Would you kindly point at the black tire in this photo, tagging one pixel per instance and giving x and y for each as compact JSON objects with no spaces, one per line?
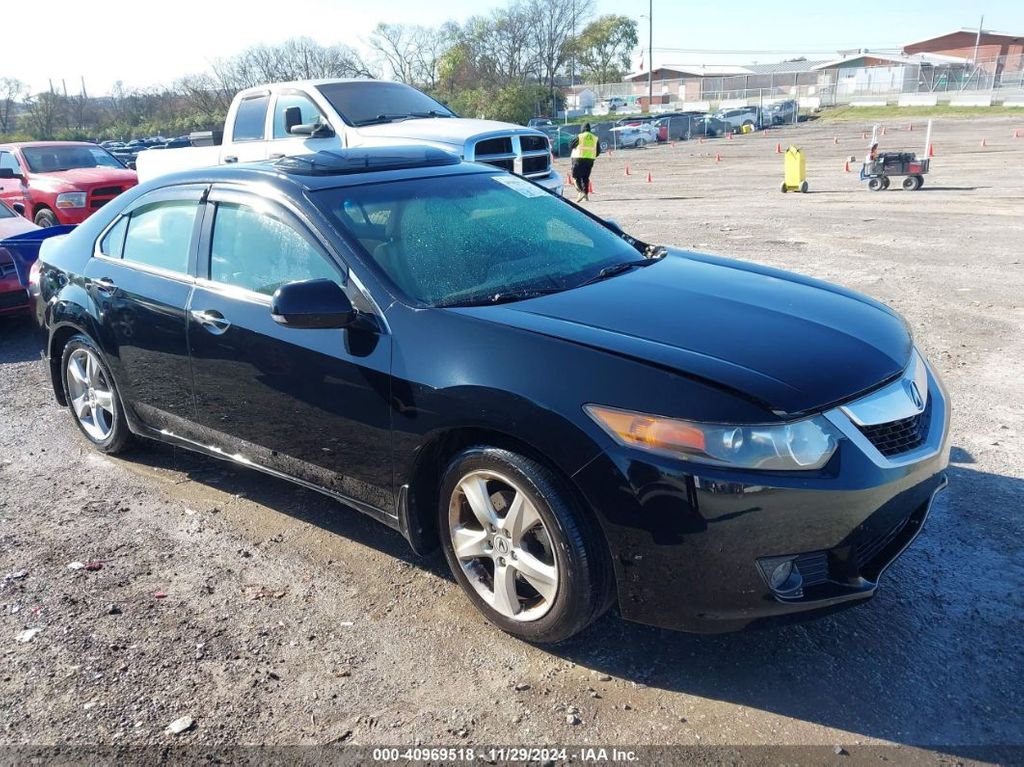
{"x":585,"y":581}
{"x":785,"y":187}
{"x":875,"y":184}
{"x":45,"y":218}
{"x":803,"y":187}
{"x":120,"y":437}
{"x":912,"y":183}
{"x":886,"y":181}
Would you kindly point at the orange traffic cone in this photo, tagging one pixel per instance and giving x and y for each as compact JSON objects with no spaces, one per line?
{"x":835,"y":139}
{"x":984,"y":143}
{"x":590,"y":187}
{"x":1016,"y":132}
{"x":846,"y":166}
{"x":863,"y":134}
{"x":627,"y":172}
{"x":910,"y":127}
{"x":649,"y":178}
{"x":883,"y":130}
{"x":730,"y":135}
{"x":569,"y":181}
{"x":778,"y":148}
{"x":931,"y":150}
{"x":701,"y":140}
{"x":718,"y":156}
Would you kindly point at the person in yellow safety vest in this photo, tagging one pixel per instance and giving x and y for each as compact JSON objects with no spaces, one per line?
{"x":585,"y":149}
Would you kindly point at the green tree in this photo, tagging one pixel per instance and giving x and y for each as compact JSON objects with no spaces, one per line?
{"x":604,"y":48}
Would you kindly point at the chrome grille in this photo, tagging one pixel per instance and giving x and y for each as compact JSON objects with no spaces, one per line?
{"x":902,"y":436}
{"x":528,"y":155}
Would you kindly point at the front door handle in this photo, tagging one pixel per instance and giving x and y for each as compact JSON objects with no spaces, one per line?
{"x":231,"y":158}
{"x":105,"y":285}
{"x":276,"y":155}
{"x":211,"y":320}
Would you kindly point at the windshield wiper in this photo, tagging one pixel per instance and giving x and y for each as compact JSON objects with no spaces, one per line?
{"x":625,"y":266}
{"x":383,"y":119}
{"x":503,"y":297}
{"x":431,"y":113}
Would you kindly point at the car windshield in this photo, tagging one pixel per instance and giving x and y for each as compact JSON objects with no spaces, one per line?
{"x":50,"y":159}
{"x":364,"y":103}
{"x":6,"y":212}
{"x":476,"y":239}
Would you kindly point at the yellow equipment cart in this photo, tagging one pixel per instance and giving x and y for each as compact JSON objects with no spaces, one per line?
{"x":796,"y":171}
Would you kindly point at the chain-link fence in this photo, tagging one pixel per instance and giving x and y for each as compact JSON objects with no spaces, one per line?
{"x":908,"y":81}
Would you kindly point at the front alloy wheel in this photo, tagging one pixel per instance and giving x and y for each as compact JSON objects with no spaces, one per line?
{"x":503,"y":546}
{"x":519,"y":545}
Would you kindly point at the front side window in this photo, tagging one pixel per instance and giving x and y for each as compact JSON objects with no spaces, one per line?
{"x":250,"y":119}
{"x":310,"y":113}
{"x":260,"y":253}
{"x":51,"y":159}
{"x":159,"y":235}
{"x":463,"y":238}
{"x":8,"y":161}
{"x":112,"y":243}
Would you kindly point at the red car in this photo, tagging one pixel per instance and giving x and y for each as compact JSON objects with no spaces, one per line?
{"x":13,"y":296}
{"x":60,"y":182}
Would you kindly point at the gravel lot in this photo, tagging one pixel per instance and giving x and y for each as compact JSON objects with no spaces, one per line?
{"x":288,"y":619}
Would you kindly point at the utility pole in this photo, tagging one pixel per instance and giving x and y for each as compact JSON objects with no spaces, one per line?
{"x":650,"y":51}
{"x":977,"y":40}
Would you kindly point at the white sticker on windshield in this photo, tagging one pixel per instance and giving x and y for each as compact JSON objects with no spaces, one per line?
{"x":521,"y":185}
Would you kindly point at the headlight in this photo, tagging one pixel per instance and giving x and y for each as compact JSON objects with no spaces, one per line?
{"x":797,"y":446}
{"x":71,"y":200}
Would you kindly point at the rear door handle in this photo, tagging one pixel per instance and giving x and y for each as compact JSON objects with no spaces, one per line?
{"x":211,"y":320}
{"x":231,"y":158}
{"x":105,"y":285}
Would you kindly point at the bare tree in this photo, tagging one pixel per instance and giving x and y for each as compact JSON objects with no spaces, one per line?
{"x":397,"y":47}
{"x":552,"y":23}
{"x":12,"y":91}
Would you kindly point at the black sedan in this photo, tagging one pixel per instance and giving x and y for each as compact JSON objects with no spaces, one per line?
{"x":574,"y":416}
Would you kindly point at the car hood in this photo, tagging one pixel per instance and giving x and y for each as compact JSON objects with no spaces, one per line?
{"x":454,"y":131}
{"x":791,"y":344}
{"x":83,"y":178}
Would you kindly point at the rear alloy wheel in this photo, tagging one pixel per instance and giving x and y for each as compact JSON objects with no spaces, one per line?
{"x":875,"y":184}
{"x":92,"y":396}
{"x":528,"y":561}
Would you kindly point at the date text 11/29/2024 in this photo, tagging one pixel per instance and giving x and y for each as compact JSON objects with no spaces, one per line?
{"x":505,"y":754}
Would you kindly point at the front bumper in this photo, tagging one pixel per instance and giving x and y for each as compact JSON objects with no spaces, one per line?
{"x":14,"y":298}
{"x":686,"y":540}
{"x":553,"y":182}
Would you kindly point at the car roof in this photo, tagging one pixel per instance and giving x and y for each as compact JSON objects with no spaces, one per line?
{"x":31,"y":144}
{"x":333,"y":169}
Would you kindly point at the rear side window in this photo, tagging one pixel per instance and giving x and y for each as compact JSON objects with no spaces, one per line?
{"x":8,"y":161}
{"x":257,"y":252}
{"x":159,"y":235}
{"x":250,"y":119}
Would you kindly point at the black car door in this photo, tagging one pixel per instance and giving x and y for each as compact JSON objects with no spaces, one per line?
{"x":140,"y":277}
{"x":309,"y":403}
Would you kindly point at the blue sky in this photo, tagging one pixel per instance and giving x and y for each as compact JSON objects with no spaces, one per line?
{"x":102,"y":47}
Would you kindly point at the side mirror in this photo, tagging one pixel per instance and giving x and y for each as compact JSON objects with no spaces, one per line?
{"x":312,"y":304}
{"x":292,"y":117}
{"x":313,"y":130}
{"x":10,"y":174}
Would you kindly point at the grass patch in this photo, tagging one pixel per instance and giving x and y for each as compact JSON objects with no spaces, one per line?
{"x":847,"y":113}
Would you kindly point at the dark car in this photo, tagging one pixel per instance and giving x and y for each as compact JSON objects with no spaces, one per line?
{"x":782,"y":112}
{"x":710,"y":126}
{"x":573,"y":415}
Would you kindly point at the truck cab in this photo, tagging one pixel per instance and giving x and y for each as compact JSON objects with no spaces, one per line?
{"x":287,"y":119}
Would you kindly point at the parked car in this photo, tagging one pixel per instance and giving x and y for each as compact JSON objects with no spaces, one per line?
{"x":60,"y":182}
{"x":678,"y":126}
{"x":750,"y":444}
{"x":14,"y":298}
{"x":710,"y":126}
{"x":634,"y":135}
{"x":782,"y":112}
{"x":737,"y":118}
{"x":539,"y":122}
{"x":282,"y":119}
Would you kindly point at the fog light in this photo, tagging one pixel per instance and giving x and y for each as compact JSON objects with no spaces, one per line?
{"x":780,"y":575}
{"x":783,"y":576}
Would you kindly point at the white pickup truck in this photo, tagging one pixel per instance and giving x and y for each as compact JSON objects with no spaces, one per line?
{"x":286,"y":119}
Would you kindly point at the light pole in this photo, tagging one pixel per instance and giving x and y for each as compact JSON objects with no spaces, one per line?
{"x":650,"y":51}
